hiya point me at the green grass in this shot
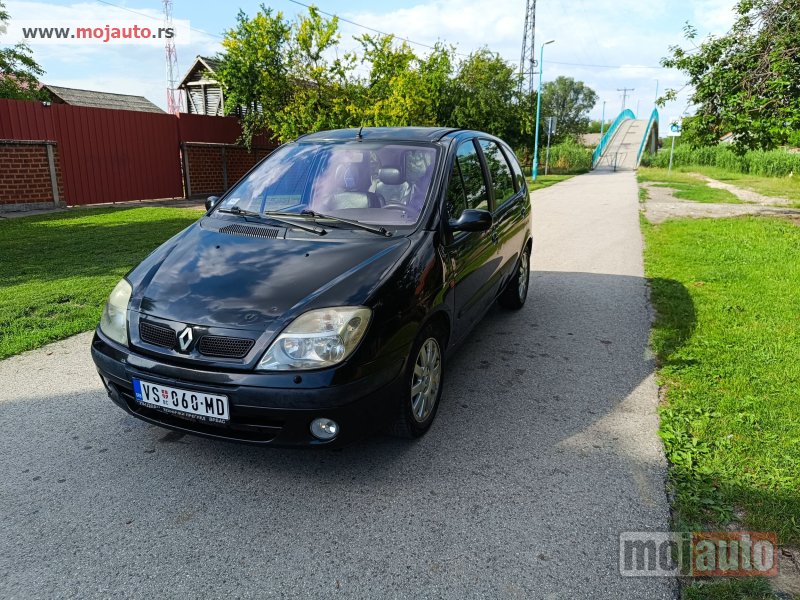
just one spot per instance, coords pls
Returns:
(775, 187)
(543, 181)
(58, 269)
(730, 589)
(686, 187)
(727, 338)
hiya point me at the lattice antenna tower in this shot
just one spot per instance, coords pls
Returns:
(527, 60)
(174, 97)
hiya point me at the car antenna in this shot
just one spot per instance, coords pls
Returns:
(358, 135)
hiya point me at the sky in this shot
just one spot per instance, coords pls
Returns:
(608, 44)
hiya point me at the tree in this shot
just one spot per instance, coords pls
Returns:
(19, 72)
(485, 93)
(322, 93)
(403, 89)
(290, 80)
(569, 101)
(253, 69)
(746, 82)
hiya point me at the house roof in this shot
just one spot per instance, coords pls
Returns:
(94, 99)
(205, 62)
(211, 62)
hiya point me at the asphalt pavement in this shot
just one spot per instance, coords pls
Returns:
(544, 450)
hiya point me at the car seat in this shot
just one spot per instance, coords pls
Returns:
(392, 187)
(353, 181)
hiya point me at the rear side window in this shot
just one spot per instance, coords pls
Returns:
(502, 180)
(472, 175)
(519, 176)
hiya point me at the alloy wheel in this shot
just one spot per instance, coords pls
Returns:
(426, 380)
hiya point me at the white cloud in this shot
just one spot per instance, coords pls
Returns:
(632, 34)
(130, 69)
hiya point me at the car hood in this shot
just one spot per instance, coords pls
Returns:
(206, 277)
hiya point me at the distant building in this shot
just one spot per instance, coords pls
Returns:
(202, 93)
(90, 98)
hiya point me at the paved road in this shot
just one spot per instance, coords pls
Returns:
(543, 451)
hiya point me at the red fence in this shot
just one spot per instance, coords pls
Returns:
(118, 155)
(213, 130)
(105, 155)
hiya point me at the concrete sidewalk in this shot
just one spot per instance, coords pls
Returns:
(591, 300)
(544, 450)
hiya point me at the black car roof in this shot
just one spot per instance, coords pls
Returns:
(409, 134)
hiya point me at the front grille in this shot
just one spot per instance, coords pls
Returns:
(250, 230)
(158, 335)
(224, 347)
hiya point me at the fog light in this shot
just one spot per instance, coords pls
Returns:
(324, 429)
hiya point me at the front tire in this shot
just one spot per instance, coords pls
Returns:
(516, 291)
(424, 378)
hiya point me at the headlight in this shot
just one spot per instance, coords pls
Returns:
(318, 338)
(114, 322)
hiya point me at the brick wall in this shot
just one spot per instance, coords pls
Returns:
(211, 169)
(25, 181)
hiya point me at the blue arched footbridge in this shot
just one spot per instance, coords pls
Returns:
(622, 146)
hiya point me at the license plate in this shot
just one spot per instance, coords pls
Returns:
(184, 403)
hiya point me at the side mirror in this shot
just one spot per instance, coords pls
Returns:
(472, 220)
(211, 202)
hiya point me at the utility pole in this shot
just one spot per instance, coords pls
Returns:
(527, 59)
(625, 94)
(174, 99)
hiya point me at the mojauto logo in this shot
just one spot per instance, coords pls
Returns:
(698, 554)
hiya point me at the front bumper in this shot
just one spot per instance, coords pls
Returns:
(260, 413)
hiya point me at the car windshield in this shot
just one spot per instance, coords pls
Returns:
(379, 183)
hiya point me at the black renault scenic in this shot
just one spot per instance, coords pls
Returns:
(317, 299)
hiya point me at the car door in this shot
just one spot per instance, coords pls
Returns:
(471, 255)
(510, 207)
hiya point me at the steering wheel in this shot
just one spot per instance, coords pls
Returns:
(395, 206)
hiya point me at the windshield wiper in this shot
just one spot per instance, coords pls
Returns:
(379, 230)
(235, 210)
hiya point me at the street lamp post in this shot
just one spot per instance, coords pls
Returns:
(603, 120)
(538, 112)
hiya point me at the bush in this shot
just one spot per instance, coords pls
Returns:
(567, 157)
(766, 163)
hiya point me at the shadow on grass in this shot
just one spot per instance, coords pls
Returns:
(675, 318)
(705, 498)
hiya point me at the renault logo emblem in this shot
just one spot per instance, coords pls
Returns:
(185, 339)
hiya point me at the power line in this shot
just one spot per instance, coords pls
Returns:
(424, 45)
(409, 40)
(571, 64)
(159, 18)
